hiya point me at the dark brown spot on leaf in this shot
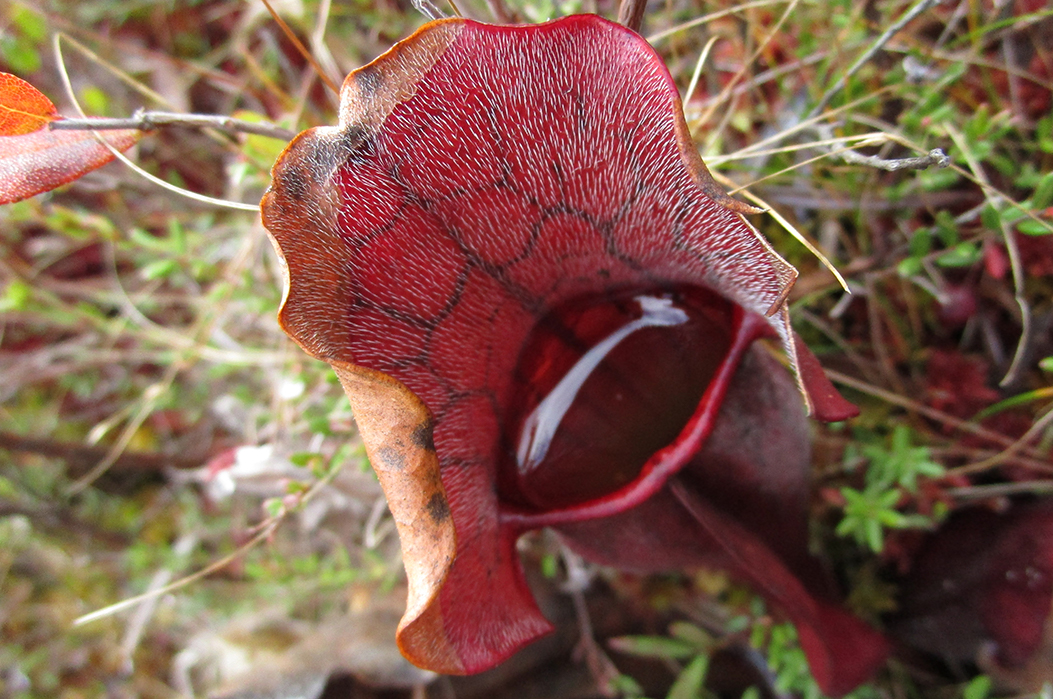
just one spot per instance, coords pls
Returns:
(438, 508)
(391, 459)
(424, 436)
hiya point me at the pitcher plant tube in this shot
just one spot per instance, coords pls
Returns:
(545, 313)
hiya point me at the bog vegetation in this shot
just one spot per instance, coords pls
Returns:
(164, 447)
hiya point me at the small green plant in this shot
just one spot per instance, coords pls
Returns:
(900, 463)
(786, 659)
(978, 687)
(893, 470)
(687, 646)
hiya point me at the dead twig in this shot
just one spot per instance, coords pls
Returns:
(67, 83)
(150, 120)
(934, 158)
(631, 12)
(997, 490)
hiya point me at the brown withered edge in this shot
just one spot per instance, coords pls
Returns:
(300, 213)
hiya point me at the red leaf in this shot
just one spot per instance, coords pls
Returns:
(982, 591)
(23, 108)
(538, 302)
(43, 160)
(34, 159)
